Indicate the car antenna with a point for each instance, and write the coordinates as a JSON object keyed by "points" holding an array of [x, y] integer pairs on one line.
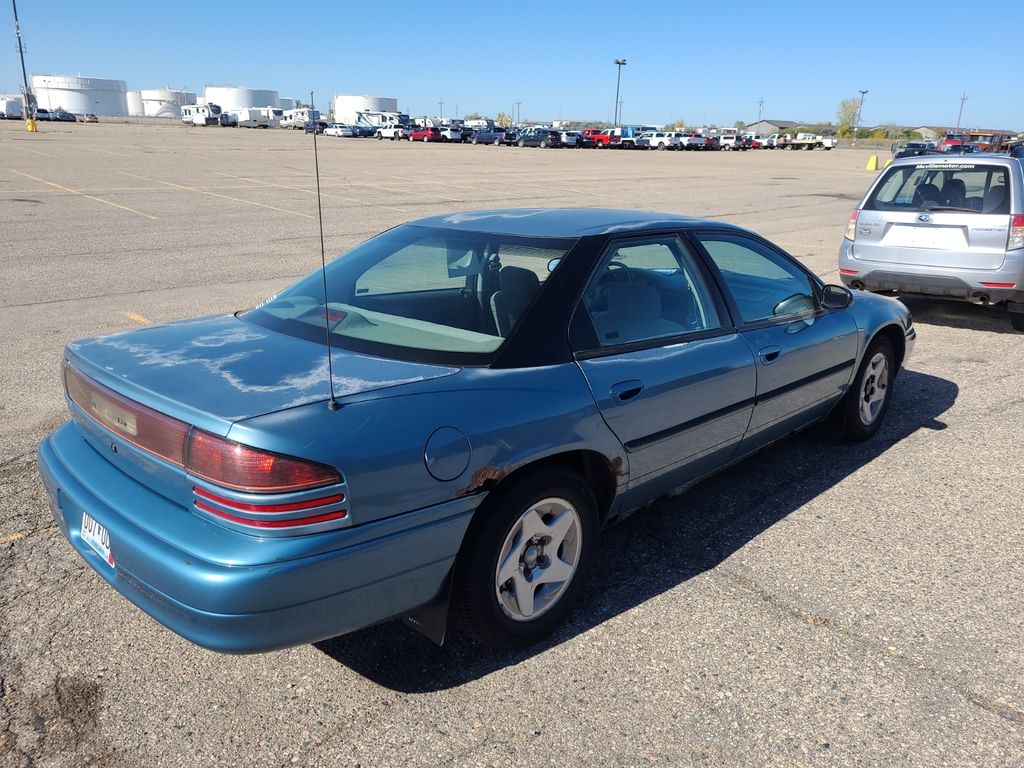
{"points": [[332, 404]]}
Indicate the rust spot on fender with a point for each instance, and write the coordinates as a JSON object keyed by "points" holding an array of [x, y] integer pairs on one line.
{"points": [[617, 467], [482, 479]]}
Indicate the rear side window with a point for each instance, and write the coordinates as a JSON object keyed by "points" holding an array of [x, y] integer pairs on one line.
{"points": [[967, 187]]}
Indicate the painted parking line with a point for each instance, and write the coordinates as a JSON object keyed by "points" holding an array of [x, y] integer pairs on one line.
{"points": [[106, 152], [83, 194], [29, 149], [18, 535], [136, 318], [199, 191], [307, 191]]}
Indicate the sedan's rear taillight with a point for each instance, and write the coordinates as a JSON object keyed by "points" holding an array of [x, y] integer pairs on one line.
{"points": [[238, 466], [1015, 239], [220, 461], [851, 225]]}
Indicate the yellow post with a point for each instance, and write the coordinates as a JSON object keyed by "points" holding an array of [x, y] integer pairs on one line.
{"points": [[30, 126], [887, 163], [872, 163]]}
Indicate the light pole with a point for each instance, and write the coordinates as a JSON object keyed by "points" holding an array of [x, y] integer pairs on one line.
{"points": [[860, 109], [29, 99], [620, 63]]}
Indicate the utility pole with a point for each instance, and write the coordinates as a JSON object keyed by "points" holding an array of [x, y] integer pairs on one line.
{"points": [[27, 95], [620, 63], [516, 111], [456, 111], [959, 115], [860, 109], [760, 107], [440, 108]]}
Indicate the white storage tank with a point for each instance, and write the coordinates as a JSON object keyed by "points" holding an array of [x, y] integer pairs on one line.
{"points": [[283, 103], [135, 104], [237, 97], [81, 95], [164, 102], [346, 106]]}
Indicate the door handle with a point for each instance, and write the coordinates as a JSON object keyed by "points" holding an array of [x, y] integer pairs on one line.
{"points": [[625, 391], [769, 355]]}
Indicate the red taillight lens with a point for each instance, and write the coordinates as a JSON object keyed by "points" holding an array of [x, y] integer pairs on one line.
{"points": [[238, 466], [269, 516], [212, 458], [1015, 239], [851, 225], [149, 430]]}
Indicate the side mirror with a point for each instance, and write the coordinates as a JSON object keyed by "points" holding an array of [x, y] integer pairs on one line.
{"points": [[836, 297]]}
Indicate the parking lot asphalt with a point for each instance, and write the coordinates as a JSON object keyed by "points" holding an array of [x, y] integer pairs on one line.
{"points": [[818, 604]]}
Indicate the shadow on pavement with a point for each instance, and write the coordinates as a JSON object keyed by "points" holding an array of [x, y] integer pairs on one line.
{"points": [[959, 314], [658, 549]]}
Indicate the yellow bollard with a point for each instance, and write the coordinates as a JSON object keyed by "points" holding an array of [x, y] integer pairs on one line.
{"points": [[30, 126], [872, 163], [887, 163]]}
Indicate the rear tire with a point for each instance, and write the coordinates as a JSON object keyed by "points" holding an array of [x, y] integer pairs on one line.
{"points": [[525, 559], [867, 402], [1017, 320], [497, 142]]}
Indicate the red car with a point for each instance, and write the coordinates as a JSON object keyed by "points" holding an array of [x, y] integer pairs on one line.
{"points": [[425, 134]]}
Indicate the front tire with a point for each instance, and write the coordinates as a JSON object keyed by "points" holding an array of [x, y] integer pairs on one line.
{"points": [[868, 400], [525, 560]]}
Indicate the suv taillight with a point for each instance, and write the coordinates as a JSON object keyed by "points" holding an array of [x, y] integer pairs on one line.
{"points": [[1015, 239], [851, 225]]}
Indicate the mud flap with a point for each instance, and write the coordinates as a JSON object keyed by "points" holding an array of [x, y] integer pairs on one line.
{"points": [[432, 618]]}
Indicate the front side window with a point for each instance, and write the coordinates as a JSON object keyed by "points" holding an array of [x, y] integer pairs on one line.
{"points": [[646, 289], [967, 187], [415, 290], [764, 284]]}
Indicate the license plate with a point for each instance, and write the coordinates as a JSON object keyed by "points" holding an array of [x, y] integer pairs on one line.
{"points": [[96, 536], [939, 238]]}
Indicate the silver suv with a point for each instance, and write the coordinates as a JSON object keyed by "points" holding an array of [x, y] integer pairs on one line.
{"points": [[948, 227]]}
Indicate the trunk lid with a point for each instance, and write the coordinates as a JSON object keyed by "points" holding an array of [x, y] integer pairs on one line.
{"points": [[214, 371], [948, 239]]}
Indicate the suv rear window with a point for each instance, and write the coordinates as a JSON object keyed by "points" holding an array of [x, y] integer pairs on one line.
{"points": [[968, 187]]}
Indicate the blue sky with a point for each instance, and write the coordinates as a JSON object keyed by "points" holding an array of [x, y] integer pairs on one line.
{"points": [[705, 62]]}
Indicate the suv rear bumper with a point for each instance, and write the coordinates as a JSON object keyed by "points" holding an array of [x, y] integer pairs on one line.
{"points": [[1005, 284]]}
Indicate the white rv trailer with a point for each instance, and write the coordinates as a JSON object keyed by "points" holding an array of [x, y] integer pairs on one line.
{"points": [[10, 109], [200, 114], [297, 118], [274, 116], [376, 119], [249, 117]]}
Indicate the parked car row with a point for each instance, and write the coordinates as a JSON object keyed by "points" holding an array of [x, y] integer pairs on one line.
{"points": [[60, 116], [623, 137]]}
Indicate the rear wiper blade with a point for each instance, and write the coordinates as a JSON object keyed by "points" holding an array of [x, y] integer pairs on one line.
{"points": [[950, 208]]}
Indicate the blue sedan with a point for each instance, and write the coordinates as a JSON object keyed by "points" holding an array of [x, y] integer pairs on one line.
{"points": [[438, 425]]}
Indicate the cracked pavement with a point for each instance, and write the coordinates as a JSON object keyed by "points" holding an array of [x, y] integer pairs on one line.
{"points": [[818, 604]]}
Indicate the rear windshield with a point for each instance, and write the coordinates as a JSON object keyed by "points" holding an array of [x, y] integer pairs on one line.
{"points": [[419, 293], [968, 187]]}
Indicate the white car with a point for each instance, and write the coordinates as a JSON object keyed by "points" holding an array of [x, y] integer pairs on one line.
{"points": [[392, 132], [338, 130]]}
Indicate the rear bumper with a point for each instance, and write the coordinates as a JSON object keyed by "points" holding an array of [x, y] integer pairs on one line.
{"points": [[950, 283], [377, 571]]}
